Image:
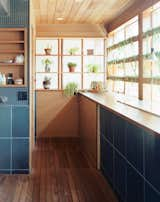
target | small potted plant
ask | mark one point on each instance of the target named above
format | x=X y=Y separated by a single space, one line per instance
x=73 y=51
x=46 y=82
x=72 y=66
x=48 y=50
x=93 y=68
x=71 y=89
x=47 y=62
x=96 y=86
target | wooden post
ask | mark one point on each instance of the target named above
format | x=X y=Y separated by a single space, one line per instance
x=140 y=39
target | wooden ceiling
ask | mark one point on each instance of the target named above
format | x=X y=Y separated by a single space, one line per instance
x=78 y=11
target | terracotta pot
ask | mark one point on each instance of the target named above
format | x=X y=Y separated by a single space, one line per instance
x=48 y=51
x=72 y=69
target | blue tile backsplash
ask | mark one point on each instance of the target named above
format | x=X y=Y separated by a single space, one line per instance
x=134 y=163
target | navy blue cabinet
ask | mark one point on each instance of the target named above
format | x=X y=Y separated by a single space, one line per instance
x=134 y=146
x=20 y=127
x=5 y=121
x=130 y=158
x=135 y=186
x=107 y=159
x=120 y=173
x=152 y=159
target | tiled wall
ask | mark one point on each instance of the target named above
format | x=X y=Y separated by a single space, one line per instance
x=130 y=159
x=18 y=15
x=14 y=116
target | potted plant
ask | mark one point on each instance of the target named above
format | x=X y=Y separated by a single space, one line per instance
x=71 y=66
x=47 y=62
x=93 y=68
x=48 y=50
x=71 y=89
x=96 y=86
x=46 y=82
x=72 y=51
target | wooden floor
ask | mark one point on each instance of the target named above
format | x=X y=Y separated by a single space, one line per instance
x=60 y=174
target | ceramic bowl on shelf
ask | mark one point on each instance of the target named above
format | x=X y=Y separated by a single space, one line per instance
x=18 y=81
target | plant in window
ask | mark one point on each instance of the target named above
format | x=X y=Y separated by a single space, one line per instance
x=71 y=89
x=47 y=62
x=71 y=66
x=48 y=50
x=93 y=68
x=46 y=82
x=73 y=51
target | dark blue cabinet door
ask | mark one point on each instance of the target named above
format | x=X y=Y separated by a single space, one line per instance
x=152 y=159
x=120 y=135
x=20 y=154
x=120 y=176
x=150 y=194
x=134 y=146
x=109 y=126
x=135 y=186
x=20 y=125
x=102 y=120
x=5 y=154
x=107 y=160
x=5 y=121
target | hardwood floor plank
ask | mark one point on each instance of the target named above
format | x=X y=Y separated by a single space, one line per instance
x=60 y=174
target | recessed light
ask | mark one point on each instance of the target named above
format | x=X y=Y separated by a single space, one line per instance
x=60 y=18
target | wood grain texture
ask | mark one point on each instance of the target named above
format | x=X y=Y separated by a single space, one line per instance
x=88 y=128
x=73 y=11
x=60 y=174
x=57 y=115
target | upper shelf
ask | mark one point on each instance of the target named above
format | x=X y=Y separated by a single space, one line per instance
x=11 y=42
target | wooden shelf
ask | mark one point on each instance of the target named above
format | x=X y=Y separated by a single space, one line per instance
x=11 y=51
x=47 y=72
x=12 y=86
x=11 y=64
x=11 y=42
x=44 y=55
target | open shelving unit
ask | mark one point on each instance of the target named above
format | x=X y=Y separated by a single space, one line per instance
x=13 y=42
x=60 y=57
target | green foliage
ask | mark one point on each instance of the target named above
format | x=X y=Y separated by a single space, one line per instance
x=71 y=64
x=93 y=68
x=72 y=51
x=47 y=61
x=70 y=89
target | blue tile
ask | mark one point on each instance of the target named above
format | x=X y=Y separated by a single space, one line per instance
x=20 y=171
x=20 y=154
x=120 y=135
x=20 y=122
x=152 y=159
x=5 y=172
x=5 y=121
x=150 y=194
x=107 y=160
x=5 y=154
x=135 y=186
x=120 y=176
x=134 y=146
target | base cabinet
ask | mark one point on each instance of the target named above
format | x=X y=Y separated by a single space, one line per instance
x=130 y=158
x=14 y=139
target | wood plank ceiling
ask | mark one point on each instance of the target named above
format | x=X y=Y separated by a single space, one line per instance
x=78 y=11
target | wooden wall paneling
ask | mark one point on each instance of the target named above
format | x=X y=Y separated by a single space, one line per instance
x=88 y=129
x=57 y=115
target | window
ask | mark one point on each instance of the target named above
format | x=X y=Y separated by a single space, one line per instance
x=151 y=54
x=124 y=60
x=122 y=64
x=88 y=54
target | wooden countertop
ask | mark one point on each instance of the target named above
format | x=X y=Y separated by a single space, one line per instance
x=143 y=119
